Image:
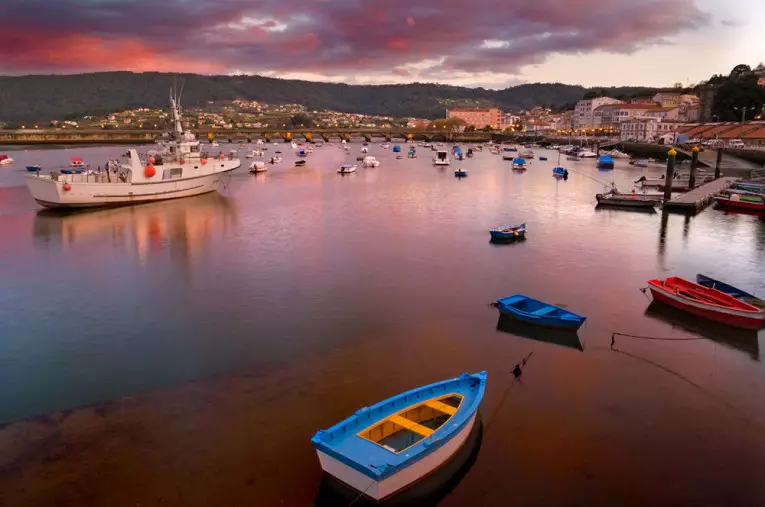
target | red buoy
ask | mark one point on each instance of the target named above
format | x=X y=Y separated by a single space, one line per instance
x=222 y=156
x=149 y=171
x=151 y=160
x=204 y=161
x=182 y=161
x=67 y=187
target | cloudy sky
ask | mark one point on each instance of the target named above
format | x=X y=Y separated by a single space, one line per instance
x=491 y=43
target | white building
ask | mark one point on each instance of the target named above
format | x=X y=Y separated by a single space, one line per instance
x=647 y=130
x=583 y=112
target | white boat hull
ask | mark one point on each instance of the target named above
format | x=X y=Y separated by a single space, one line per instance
x=379 y=490
x=51 y=194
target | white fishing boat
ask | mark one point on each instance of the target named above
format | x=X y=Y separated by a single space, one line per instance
x=370 y=161
x=441 y=158
x=347 y=168
x=179 y=169
x=258 y=167
x=587 y=154
x=259 y=142
x=5 y=160
x=255 y=153
x=276 y=160
x=618 y=154
x=527 y=153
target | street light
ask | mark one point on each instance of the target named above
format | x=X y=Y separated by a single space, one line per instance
x=743 y=110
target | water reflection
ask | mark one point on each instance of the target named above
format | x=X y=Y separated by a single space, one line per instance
x=742 y=340
x=427 y=493
x=181 y=225
x=562 y=338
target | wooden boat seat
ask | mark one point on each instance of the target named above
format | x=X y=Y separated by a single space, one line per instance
x=543 y=311
x=410 y=425
x=441 y=407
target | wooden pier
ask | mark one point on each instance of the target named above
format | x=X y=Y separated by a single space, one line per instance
x=700 y=197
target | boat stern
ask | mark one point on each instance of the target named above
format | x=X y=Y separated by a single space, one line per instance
x=47 y=191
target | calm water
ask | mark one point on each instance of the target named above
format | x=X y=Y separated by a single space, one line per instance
x=358 y=287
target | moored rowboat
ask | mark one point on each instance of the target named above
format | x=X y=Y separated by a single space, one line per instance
x=706 y=302
x=508 y=232
x=383 y=449
x=535 y=312
x=730 y=290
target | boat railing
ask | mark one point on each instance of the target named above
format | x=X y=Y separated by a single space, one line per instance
x=91 y=176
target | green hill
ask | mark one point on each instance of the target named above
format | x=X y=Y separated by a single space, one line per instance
x=42 y=98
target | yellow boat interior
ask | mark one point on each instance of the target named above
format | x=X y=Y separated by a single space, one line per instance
x=401 y=430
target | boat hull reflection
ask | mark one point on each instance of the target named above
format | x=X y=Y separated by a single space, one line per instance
x=560 y=337
x=742 y=340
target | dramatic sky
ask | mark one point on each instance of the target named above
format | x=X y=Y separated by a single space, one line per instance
x=492 y=43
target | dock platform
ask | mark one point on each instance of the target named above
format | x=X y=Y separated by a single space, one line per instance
x=700 y=197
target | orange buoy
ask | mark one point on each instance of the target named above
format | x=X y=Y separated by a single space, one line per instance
x=67 y=187
x=204 y=161
x=222 y=156
x=151 y=160
x=182 y=161
x=149 y=171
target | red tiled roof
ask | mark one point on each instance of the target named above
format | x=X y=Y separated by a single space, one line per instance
x=757 y=133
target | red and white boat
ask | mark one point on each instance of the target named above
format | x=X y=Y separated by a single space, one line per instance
x=741 y=199
x=706 y=302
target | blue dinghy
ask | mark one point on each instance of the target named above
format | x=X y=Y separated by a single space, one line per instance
x=560 y=171
x=460 y=173
x=543 y=159
x=605 y=162
x=535 y=312
x=506 y=232
x=381 y=450
x=33 y=168
x=519 y=164
x=730 y=290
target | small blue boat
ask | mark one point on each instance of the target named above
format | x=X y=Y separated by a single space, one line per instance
x=605 y=162
x=460 y=173
x=383 y=449
x=33 y=168
x=508 y=232
x=535 y=312
x=560 y=171
x=397 y=149
x=730 y=290
x=519 y=164
x=72 y=170
x=543 y=159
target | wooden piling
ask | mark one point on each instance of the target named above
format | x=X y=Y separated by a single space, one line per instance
x=671 y=154
x=719 y=163
x=694 y=166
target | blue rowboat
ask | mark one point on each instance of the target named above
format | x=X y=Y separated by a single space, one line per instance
x=383 y=449
x=605 y=162
x=519 y=164
x=535 y=312
x=33 y=168
x=543 y=159
x=560 y=171
x=730 y=290
x=397 y=149
x=506 y=232
x=460 y=173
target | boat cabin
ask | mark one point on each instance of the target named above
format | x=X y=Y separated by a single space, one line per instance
x=442 y=155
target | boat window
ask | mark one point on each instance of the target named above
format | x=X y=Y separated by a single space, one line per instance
x=402 y=430
x=172 y=173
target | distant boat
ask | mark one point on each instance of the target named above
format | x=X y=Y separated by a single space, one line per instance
x=76 y=162
x=527 y=153
x=275 y=160
x=364 y=149
x=639 y=163
x=347 y=169
x=507 y=232
x=535 y=312
x=469 y=152
x=258 y=167
x=383 y=449
x=560 y=171
x=730 y=290
x=706 y=302
x=397 y=149
x=300 y=163
x=5 y=160
x=509 y=153
x=741 y=199
x=519 y=164
x=33 y=168
x=618 y=154
x=542 y=159
x=370 y=161
x=587 y=154
x=441 y=158
x=605 y=162
x=617 y=200
x=215 y=144
x=460 y=173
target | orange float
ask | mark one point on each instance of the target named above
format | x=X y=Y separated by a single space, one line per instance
x=67 y=187
x=149 y=171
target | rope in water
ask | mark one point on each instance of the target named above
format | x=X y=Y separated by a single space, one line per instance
x=654 y=338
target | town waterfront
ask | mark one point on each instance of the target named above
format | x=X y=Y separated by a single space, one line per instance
x=184 y=352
